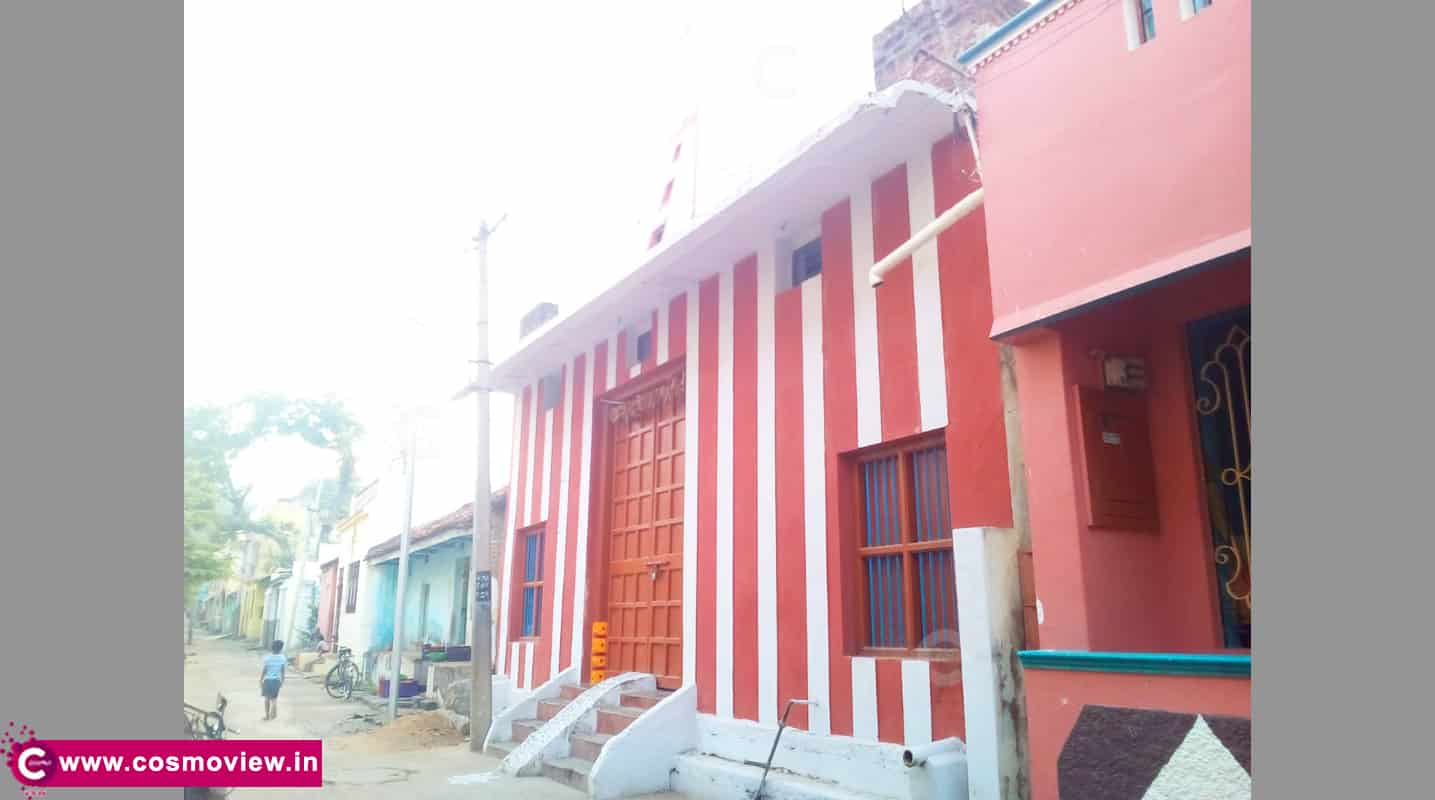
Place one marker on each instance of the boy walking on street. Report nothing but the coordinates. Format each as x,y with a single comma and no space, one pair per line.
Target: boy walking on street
271,677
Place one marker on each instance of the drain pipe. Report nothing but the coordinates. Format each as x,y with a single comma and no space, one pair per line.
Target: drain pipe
948,218
917,756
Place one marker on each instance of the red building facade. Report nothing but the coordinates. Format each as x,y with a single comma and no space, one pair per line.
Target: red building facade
748,463
1116,152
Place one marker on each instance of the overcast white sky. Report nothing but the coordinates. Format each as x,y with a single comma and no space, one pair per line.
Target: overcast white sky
338,157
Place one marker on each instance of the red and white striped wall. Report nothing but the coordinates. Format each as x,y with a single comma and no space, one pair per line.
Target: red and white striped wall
779,384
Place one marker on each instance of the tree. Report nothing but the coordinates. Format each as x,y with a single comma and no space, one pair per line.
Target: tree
203,552
214,436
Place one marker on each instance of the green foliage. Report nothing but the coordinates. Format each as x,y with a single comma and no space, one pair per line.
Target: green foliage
214,436
203,552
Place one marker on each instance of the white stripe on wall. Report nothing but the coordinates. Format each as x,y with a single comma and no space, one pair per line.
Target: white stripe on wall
766,500
724,498
585,481
613,360
814,479
927,296
864,320
548,450
528,665
690,498
916,702
864,698
526,502
511,525
561,523
635,370
660,336
514,663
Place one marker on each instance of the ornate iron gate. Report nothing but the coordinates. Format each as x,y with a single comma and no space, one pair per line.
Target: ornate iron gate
1221,362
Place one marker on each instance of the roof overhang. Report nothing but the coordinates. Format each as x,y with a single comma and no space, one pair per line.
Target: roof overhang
866,141
1010,30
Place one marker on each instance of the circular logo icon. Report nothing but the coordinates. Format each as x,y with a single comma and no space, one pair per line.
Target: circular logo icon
34,763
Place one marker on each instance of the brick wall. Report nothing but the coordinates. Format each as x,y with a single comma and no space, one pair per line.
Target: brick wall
943,28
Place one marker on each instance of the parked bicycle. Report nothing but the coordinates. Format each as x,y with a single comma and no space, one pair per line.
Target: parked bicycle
202,724
344,676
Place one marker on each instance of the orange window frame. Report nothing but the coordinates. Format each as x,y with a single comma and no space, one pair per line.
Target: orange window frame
912,529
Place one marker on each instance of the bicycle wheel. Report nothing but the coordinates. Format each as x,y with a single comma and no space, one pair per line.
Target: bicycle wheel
351,678
335,683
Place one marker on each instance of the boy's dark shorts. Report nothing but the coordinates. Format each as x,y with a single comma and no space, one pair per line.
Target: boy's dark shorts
271,688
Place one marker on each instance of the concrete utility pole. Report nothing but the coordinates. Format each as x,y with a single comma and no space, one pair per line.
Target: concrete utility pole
296,575
411,464
481,630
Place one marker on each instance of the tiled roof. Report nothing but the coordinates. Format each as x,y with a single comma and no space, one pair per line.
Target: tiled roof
454,520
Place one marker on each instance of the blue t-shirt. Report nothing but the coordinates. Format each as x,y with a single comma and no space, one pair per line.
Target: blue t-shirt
274,667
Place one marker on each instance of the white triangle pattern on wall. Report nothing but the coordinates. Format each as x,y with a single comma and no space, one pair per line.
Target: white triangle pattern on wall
1202,768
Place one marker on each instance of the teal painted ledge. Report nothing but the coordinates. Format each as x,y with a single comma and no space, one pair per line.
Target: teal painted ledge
1214,664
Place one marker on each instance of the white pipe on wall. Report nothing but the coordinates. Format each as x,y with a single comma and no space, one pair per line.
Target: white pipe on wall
917,756
948,218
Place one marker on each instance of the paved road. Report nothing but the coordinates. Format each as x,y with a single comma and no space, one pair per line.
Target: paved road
306,711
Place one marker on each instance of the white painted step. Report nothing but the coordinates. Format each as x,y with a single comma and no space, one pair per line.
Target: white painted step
706,777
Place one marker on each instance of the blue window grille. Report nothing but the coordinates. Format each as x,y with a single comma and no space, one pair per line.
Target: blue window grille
532,583
1148,19
906,552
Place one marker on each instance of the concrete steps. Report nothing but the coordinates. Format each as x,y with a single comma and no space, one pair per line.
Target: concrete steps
705,777
584,746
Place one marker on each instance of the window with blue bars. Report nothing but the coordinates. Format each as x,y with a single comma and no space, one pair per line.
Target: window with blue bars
532,585
907,573
1147,13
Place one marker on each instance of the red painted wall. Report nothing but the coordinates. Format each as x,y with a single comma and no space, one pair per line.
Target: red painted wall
1104,165
1055,697
979,494
1106,589
327,601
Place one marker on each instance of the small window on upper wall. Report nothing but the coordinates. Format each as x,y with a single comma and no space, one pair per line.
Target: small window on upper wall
807,261
644,346
1198,5
551,389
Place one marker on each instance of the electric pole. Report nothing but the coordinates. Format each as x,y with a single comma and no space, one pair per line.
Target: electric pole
397,660
296,578
481,638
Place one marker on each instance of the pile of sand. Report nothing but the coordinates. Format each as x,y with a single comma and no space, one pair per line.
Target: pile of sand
412,731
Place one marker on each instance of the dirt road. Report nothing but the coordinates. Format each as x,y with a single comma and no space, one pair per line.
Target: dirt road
361,758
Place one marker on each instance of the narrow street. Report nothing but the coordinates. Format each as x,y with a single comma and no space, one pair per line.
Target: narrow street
362,758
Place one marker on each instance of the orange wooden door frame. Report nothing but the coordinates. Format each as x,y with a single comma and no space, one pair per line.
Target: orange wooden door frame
599,580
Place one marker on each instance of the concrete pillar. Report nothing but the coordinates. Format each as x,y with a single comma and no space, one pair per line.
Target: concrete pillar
989,618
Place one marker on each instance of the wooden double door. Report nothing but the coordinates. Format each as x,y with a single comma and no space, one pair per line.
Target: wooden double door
645,532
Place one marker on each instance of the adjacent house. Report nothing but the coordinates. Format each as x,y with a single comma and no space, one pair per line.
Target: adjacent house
438,588
1116,145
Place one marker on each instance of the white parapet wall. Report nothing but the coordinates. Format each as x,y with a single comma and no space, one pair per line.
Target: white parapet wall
640,759
854,765
524,705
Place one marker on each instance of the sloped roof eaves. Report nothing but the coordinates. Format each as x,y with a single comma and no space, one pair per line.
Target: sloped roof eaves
454,520
461,518
657,274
